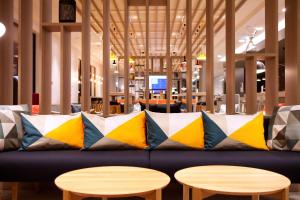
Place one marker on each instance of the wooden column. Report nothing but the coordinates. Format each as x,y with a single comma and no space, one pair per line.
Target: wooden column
210,56
25,52
126,58
65,71
230,56
251,85
6,52
168,58
189,55
85,63
292,52
147,53
46,57
106,58
271,43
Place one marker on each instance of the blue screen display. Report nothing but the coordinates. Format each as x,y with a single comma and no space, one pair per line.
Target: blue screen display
158,82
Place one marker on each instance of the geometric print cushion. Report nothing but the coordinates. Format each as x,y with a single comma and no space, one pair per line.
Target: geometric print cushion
52,132
9,130
117,132
175,130
284,129
234,131
23,107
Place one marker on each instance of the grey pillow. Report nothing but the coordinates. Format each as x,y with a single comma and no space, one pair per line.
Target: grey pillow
284,128
11,130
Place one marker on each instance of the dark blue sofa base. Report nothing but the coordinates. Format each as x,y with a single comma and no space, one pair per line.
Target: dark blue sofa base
46,165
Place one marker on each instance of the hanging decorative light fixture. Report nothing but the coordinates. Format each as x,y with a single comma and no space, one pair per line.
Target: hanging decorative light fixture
2,29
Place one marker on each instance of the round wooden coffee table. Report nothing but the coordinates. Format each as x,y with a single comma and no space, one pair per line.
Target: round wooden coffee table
111,182
206,181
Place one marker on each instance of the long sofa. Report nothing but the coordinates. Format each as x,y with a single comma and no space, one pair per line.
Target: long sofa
16,166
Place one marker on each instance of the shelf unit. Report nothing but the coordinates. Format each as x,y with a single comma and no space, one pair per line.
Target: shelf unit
47,27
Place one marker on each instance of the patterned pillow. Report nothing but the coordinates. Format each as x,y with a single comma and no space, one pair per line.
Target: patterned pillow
52,132
10,130
23,107
283,133
175,130
234,131
118,132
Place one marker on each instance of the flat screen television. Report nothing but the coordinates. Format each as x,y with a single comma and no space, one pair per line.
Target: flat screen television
157,83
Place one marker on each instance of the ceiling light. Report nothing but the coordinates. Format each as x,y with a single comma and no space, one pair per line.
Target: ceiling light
133,17
259,28
258,80
242,41
219,56
2,29
283,10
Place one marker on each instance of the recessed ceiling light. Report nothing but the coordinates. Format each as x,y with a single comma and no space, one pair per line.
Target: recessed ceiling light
179,17
219,56
133,17
259,28
283,10
242,40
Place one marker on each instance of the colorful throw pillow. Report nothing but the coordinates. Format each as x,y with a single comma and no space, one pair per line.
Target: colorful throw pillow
283,133
175,130
52,132
234,131
23,107
10,130
118,132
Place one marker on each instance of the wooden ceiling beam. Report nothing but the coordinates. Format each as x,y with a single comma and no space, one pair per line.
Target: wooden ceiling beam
218,6
194,29
123,23
121,50
240,4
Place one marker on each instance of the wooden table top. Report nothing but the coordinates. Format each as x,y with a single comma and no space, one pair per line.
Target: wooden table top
232,180
112,181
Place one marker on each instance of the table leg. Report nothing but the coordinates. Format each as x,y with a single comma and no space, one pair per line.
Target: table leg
186,192
15,191
197,194
66,195
155,195
255,197
285,194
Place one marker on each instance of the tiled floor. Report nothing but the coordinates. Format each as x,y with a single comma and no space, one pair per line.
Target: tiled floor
49,192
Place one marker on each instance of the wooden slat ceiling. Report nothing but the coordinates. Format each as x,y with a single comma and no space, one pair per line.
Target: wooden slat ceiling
157,42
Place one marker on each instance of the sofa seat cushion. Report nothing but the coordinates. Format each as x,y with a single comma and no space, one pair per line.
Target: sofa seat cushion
286,163
47,165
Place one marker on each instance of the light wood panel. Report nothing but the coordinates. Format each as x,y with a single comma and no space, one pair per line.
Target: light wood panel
233,180
210,56
189,55
168,58
56,27
147,53
126,57
251,85
271,43
230,58
86,48
106,57
6,53
25,53
113,182
46,57
65,71
292,52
